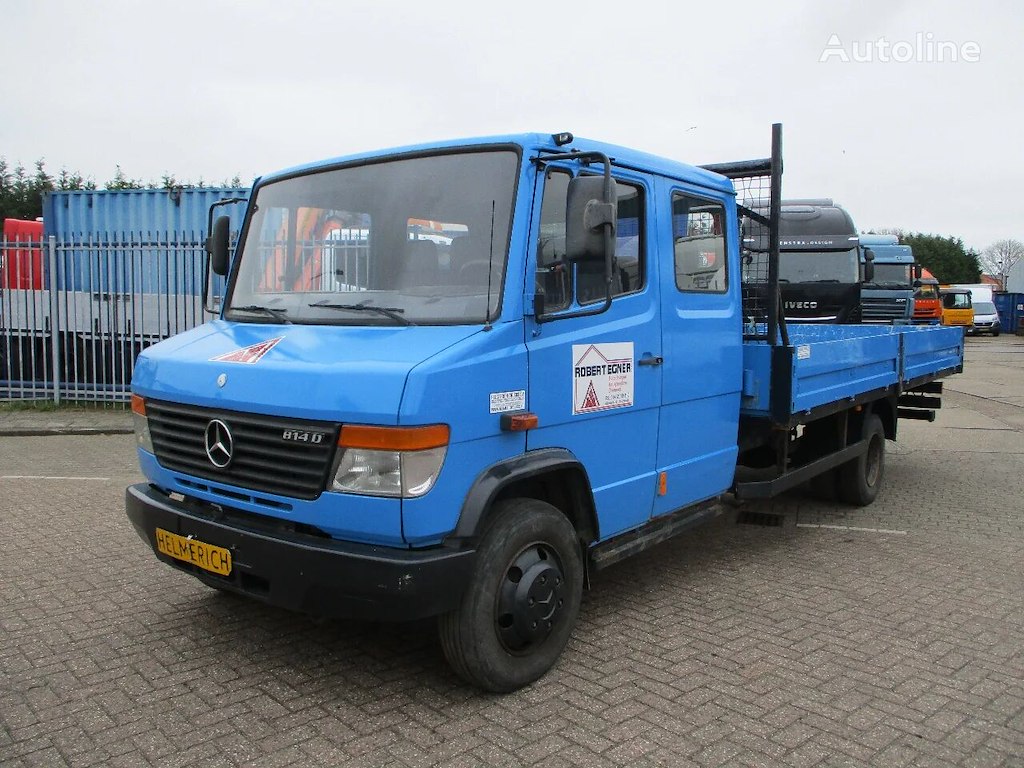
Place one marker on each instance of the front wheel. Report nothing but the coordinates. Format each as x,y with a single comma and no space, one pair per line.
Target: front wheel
518,611
861,478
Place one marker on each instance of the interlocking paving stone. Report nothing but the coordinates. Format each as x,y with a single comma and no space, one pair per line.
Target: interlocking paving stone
733,645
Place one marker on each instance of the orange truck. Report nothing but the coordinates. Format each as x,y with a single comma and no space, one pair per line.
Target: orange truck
957,308
927,301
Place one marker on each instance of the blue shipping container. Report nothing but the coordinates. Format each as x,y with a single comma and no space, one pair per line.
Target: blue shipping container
1010,307
134,241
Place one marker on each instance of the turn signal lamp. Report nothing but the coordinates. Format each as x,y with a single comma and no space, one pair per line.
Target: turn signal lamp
143,439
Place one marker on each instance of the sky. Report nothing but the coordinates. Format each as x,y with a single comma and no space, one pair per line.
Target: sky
871,117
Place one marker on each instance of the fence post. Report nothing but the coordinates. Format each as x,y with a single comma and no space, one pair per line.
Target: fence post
54,319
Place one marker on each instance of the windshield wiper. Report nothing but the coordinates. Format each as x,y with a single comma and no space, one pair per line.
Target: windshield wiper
391,312
281,315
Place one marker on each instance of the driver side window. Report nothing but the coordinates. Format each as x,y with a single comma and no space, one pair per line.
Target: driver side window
554,276
561,282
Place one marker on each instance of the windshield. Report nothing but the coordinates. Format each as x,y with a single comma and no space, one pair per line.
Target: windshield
892,275
927,291
984,308
819,266
412,241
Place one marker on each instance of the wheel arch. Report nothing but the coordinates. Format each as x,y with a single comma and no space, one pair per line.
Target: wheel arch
552,475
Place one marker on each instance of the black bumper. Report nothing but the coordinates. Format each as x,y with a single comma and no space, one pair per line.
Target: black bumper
306,573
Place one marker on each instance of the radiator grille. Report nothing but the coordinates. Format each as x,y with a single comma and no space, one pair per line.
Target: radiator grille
882,310
261,458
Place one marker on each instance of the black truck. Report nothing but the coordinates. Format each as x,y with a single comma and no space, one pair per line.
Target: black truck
819,263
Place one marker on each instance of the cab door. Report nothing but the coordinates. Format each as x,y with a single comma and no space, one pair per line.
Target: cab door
702,340
593,382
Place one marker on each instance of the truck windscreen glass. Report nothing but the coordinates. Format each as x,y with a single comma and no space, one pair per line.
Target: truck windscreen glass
892,275
819,266
412,241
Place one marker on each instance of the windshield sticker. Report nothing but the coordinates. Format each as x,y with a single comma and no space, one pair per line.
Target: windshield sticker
247,355
504,402
602,377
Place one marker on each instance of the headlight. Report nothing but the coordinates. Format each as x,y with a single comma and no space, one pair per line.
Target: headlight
402,462
141,424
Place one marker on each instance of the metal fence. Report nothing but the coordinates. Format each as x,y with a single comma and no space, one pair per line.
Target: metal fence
75,313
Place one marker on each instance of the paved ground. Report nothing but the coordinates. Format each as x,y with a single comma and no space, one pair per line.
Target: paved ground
95,420
887,636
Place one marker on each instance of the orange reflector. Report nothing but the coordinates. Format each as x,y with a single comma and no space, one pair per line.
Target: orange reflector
138,405
394,438
662,483
519,422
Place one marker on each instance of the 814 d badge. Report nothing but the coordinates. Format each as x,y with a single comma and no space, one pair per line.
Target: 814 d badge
302,436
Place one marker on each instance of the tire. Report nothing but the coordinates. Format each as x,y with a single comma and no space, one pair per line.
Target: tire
519,609
995,333
861,479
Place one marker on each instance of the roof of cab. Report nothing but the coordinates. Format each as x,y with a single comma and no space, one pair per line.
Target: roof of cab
532,142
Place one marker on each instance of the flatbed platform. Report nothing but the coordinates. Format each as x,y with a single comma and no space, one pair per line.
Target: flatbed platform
825,365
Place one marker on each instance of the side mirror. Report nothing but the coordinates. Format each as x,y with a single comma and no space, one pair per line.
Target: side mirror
917,282
587,211
217,245
869,265
918,271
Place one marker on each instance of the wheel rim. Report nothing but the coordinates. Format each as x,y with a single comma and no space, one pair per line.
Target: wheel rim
873,462
531,598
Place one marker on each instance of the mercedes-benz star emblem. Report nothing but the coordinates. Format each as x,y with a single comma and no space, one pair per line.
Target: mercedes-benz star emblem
219,444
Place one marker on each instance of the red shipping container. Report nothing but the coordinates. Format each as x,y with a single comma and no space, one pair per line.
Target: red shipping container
22,264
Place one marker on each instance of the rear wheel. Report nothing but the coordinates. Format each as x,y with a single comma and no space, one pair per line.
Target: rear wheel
520,607
861,478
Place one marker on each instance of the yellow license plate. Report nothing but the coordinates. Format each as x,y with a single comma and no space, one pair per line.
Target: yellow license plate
206,556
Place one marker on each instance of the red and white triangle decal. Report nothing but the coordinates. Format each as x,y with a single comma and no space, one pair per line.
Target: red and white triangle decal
591,400
247,355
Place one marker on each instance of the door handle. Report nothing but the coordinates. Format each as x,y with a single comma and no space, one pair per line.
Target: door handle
650,360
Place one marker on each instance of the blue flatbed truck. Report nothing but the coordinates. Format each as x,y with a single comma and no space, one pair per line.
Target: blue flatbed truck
455,380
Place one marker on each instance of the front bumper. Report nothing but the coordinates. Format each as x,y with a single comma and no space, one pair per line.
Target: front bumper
307,573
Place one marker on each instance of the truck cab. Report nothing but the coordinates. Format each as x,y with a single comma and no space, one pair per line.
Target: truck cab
377,393
819,263
888,297
957,307
927,300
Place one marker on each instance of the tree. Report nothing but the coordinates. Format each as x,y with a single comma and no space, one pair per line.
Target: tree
121,182
1001,257
944,257
21,192
66,180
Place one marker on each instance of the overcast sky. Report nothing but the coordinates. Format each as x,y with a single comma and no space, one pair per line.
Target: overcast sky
213,89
